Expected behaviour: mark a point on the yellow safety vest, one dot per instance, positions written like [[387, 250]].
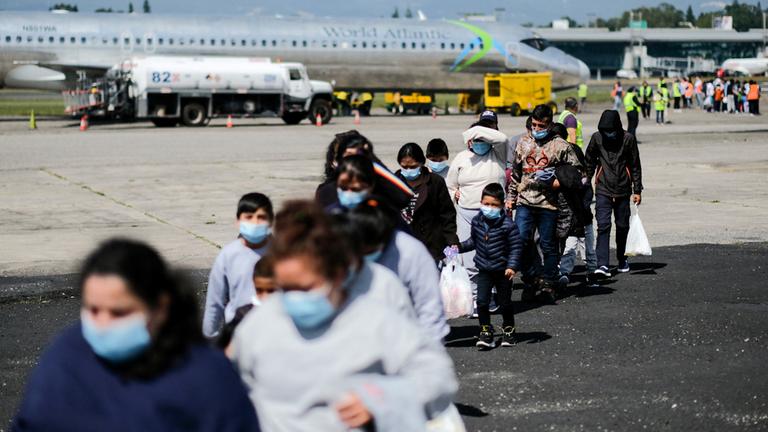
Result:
[[342, 95], [676, 90], [579, 135], [648, 91], [366, 97], [662, 97], [582, 90], [629, 102]]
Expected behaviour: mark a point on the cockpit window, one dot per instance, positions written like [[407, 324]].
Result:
[[538, 43]]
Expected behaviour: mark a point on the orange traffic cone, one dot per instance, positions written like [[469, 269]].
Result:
[[84, 123], [229, 121], [357, 117], [318, 120]]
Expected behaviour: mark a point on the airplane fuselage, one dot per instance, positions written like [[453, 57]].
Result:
[[360, 54]]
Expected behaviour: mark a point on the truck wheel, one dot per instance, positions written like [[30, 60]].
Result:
[[165, 122], [553, 107], [193, 114], [515, 110], [293, 118], [322, 107]]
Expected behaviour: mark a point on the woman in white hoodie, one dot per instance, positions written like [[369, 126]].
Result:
[[482, 163]]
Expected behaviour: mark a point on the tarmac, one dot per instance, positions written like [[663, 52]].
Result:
[[678, 344]]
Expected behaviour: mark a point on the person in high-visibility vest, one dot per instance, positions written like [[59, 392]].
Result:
[[688, 93], [753, 97], [342, 102], [632, 106], [676, 95], [646, 93], [582, 93], [661, 99], [366, 100], [572, 124]]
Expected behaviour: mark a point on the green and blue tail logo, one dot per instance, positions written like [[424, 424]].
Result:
[[483, 40]]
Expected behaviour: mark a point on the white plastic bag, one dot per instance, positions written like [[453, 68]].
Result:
[[448, 421], [456, 290], [637, 241]]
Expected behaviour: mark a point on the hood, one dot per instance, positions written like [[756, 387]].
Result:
[[610, 120]]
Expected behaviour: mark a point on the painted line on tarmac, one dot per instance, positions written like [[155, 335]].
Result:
[[152, 216]]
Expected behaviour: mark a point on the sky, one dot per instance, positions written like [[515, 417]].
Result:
[[539, 12]]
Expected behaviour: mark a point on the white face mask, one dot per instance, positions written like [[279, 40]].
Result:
[[255, 301]]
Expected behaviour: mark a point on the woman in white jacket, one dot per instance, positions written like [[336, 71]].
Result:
[[482, 163]]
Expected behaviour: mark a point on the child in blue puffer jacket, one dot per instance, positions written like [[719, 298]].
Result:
[[498, 251]]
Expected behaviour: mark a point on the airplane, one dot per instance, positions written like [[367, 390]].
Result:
[[746, 66], [48, 50]]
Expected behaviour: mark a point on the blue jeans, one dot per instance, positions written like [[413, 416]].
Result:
[[604, 207], [528, 220]]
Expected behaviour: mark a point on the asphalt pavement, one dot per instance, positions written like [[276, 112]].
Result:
[[678, 344]]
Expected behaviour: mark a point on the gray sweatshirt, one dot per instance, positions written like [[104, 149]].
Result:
[[407, 257], [230, 284], [295, 379]]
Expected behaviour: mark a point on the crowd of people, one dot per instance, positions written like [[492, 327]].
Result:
[[328, 314]]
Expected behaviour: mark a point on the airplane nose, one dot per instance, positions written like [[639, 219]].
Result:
[[583, 71]]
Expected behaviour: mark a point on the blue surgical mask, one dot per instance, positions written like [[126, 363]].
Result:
[[540, 134], [491, 212], [351, 199], [254, 233], [437, 166], [373, 256], [120, 341], [308, 309], [410, 173], [481, 147]]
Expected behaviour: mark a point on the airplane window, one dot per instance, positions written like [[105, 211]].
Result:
[[274, 43], [453, 46], [82, 40], [62, 39], [104, 41], [202, 41], [365, 45], [293, 43], [149, 41], [223, 42], [29, 38], [442, 45], [50, 39], [537, 43], [471, 46], [324, 44], [253, 42], [181, 42], [461, 45], [403, 45], [373, 44], [138, 41], [160, 41], [40, 39], [335, 44], [243, 42], [18, 39], [482, 46], [170, 41], [232, 42], [263, 43], [383, 44], [423, 45], [114, 41], [413, 45], [354, 44], [213, 41], [7, 38], [304, 44], [191, 41]]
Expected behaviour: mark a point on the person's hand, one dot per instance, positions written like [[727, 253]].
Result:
[[637, 199], [352, 412], [509, 274], [457, 195], [556, 184], [509, 205], [451, 251]]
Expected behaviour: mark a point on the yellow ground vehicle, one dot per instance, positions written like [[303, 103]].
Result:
[[518, 92], [401, 103]]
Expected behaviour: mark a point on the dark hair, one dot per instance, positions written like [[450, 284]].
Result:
[[148, 277], [528, 124], [437, 147], [542, 113], [560, 130], [411, 150], [373, 222], [493, 190], [351, 139], [485, 123], [253, 201], [228, 331], [264, 267], [358, 167], [570, 102], [302, 228]]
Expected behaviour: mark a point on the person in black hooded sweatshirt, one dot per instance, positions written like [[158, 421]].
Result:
[[614, 161]]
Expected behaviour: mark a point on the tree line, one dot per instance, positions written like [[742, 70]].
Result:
[[146, 8]]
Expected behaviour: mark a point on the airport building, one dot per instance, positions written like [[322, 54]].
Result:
[[655, 51]]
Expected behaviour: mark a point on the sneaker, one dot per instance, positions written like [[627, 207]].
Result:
[[623, 267], [602, 271], [493, 307], [485, 340], [563, 282], [508, 338], [592, 282], [547, 294]]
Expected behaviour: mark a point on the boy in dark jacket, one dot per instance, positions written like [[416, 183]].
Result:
[[613, 159], [498, 249]]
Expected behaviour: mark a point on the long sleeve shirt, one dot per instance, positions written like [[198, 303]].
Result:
[[470, 172], [230, 284]]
